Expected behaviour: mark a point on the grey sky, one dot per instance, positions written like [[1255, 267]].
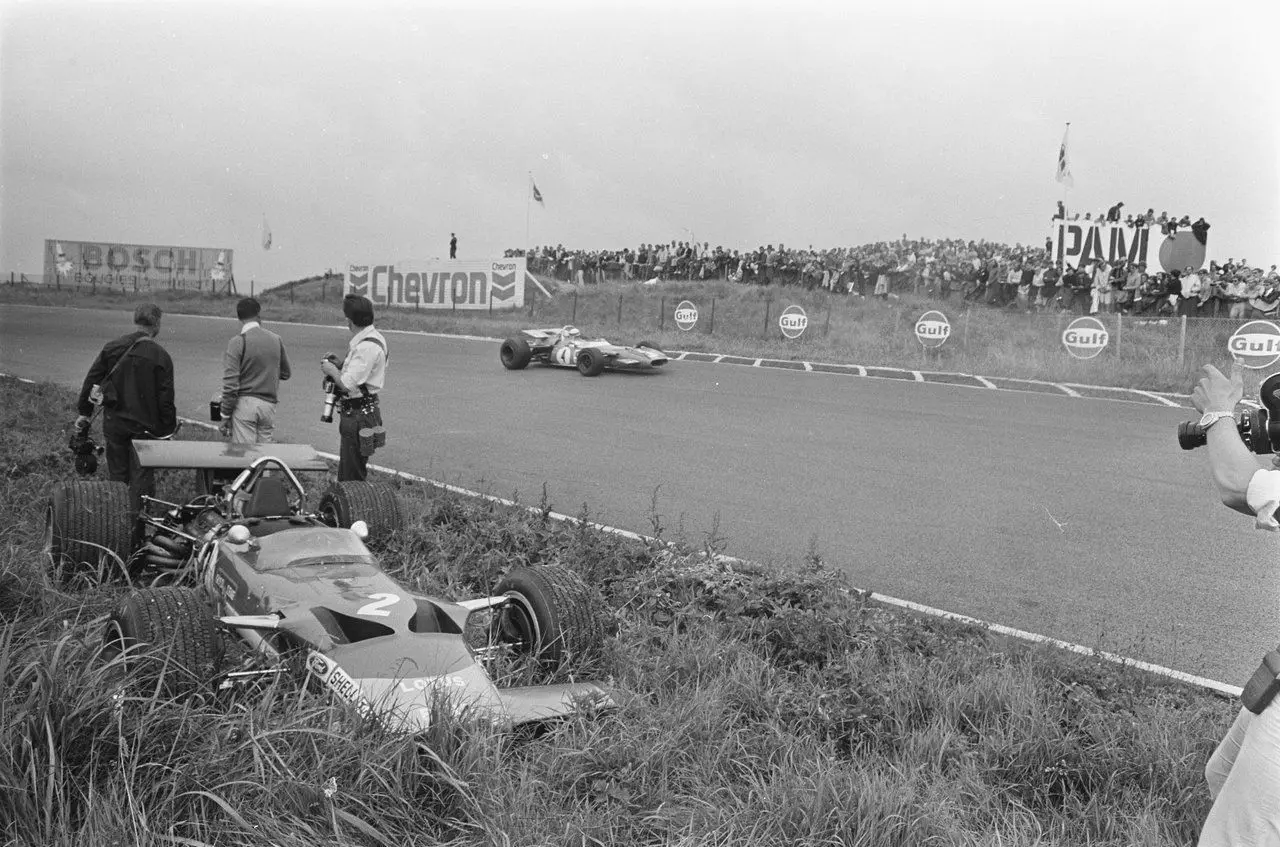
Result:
[[369, 132]]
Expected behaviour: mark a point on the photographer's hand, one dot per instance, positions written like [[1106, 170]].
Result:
[[1216, 392]]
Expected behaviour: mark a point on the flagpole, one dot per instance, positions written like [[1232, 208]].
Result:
[[528, 197]]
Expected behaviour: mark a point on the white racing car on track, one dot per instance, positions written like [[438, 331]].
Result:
[[566, 347]]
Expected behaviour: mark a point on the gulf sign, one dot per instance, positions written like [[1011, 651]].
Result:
[[1075, 243], [933, 329], [793, 321], [1255, 345], [1085, 337], [437, 284], [112, 263], [686, 315]]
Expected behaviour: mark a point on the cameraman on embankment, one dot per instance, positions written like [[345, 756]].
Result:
[[1244, 771]]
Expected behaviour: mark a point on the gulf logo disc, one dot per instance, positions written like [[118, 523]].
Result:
[[686, 315], [933, 329], [1085, 337], [793, 321], [1255, 345]]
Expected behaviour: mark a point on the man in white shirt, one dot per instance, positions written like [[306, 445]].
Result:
[[1244, 771], [359, 377]]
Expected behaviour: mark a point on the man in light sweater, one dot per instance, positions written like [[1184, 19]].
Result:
[[252, 368]]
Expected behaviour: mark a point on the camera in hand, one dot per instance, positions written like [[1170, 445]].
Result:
[[85, 450], [1259, 428], [215, 407], [330, 399]]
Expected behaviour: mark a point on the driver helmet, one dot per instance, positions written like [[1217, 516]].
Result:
[[570, 332]]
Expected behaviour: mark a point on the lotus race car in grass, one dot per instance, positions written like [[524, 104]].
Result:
[[300, 591], [565, 347]]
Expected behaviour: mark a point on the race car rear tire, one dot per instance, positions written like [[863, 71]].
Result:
[[515, 354], [375, 503], [88, 528], [169, 639], [590, 362], [551, 614]]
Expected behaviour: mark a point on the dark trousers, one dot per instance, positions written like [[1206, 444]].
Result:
[[122, 463], [351, 463]]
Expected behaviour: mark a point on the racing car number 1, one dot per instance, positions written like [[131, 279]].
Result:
[[564, 355], [377, 609]]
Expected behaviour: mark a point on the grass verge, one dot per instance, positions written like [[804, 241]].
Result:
[[1149, 354], [777, 707]]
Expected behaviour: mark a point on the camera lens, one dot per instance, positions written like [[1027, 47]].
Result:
[[1191, 435]]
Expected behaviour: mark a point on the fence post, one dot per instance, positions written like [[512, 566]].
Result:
[[250, 286], [1182, 341], [1119, 331], [324, 288], [574, 319], [767, 302], [964, 342], [826, 328], [291, 288], [619, 307], [662, 312], [711, 326]]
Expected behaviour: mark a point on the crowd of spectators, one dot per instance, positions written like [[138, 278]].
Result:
[[979, 272]]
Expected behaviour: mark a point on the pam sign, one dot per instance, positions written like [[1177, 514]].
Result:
[[933, 329], [1085, 337], [686, 315], [793, 322], [1255, 345]]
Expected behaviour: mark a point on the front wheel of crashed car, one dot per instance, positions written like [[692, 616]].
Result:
[[375, 503], [168, 639], [551, 614]]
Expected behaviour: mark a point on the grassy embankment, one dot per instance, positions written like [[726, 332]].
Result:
[[842, 329], [772, 708]]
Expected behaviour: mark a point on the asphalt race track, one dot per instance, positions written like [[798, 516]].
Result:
[[1076, 518]]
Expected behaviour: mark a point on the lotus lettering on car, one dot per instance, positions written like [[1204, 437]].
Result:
[[1255, 345], [1085, 337], [933, 329], [686, 315], [793, 321]]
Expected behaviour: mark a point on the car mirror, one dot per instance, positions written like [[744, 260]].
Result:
[[239, 534], [361, 529]]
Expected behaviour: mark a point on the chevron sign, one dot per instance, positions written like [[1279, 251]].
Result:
[[436, 284]]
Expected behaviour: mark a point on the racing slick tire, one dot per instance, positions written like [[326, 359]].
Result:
[[375, 503], [515, 354], [85, 523], [169, 639], [590, 362], [551, 614]]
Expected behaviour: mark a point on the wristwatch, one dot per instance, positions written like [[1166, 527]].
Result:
[[1208, 419]]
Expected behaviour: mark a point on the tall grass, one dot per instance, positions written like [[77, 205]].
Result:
[[1144, 352], [770, 707]]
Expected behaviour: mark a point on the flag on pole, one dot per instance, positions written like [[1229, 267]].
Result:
[[266, 234], [537, 195], [1064, 165]]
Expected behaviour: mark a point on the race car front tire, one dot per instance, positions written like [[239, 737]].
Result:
[[375, 503], [515, 354], [88, 528], [590, 362], [169, 640], [550, 614]]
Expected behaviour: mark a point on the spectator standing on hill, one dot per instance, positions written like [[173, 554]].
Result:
[[453, 245], [132, 380], [360, 377], [253, 365]]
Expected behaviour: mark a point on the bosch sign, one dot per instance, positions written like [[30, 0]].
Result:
[[686, 315], [1255, 345], [793, 321], [933, 329], [1085, 337]]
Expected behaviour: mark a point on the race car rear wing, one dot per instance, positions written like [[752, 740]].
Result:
[[224, 456]]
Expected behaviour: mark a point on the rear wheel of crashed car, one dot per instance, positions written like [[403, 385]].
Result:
[[88, 528], [375, 503], [550, 614], [168, 638], [515, 354], [590, 362]]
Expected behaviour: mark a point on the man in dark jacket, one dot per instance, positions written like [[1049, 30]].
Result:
[[132, 379]]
